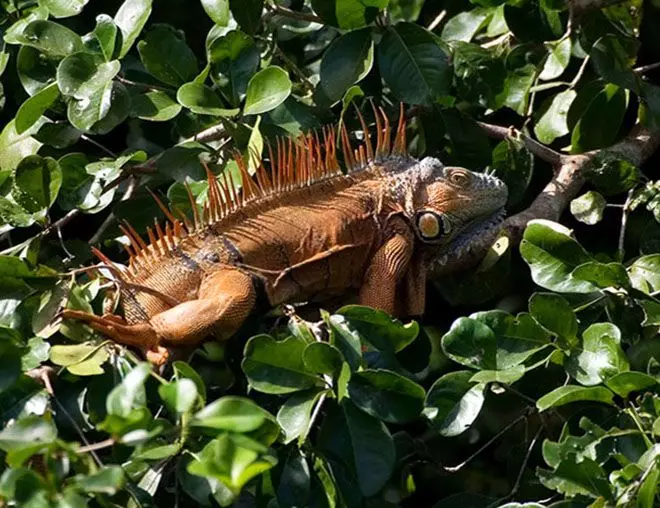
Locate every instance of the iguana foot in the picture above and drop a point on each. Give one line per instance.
(140, 335)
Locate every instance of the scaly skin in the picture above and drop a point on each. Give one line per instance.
(376, 231)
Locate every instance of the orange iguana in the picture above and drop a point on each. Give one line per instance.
(302, 231)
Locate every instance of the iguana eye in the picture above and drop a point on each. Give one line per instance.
(431, 225)
(460, 177)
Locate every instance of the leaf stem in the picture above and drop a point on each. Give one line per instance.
(437, 21)
(97, 446)
(624, 222)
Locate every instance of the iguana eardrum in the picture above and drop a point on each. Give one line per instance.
(302, 231)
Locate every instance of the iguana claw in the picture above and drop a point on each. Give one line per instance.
(141, 335)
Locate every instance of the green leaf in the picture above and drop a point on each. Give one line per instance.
(266, 90)
(601, 356)
(25, 437)
(508, 376)
(103, 111)
(651, 312)
(233, 460)
(182, 161)
(493, 340)
(236, 414)
(589, 207)
(555, 314)
(217, 10)
(465, 25)
(51, 38)
(345, 338)
(624, 383)
(155, 106)
(559, 55)
(184, 371)
(106, 481)
(572, 478)
(645, 273)
(202, 100)
(81, 75)
(64, 8)
(234, 59)
(37, 181)
(386, 395)
(516, 90)
(612, 174)
(129, 393)
(80, 359)
(31, 110)
(379, 328)
(179, 395)
(454, 402)
(167, 57)
(362, 443)
(295, 414)
(247, 13)
(57, 135)
(552, 123)
(130, 19)
(347, 60)
(514, 165)
(348, 14)
(599, 122)
(552, 254)
(612, 56)
(572, 393)
(322, 358)
(295, 481)
(603, 275)
(413, 65)
(105, 36)
(14, 146)
(277, 367)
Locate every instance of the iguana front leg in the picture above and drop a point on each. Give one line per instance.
(226, 298)
(387, 268)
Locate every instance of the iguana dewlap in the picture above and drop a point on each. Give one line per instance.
(301, 231)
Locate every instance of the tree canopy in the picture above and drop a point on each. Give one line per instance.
(533, 379)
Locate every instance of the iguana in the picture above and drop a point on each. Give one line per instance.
(302, 231)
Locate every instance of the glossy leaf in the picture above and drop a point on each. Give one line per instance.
(413, 65)
(266, 90)
(386, 395)
(454, 402)
(572, 393)
(167, 57)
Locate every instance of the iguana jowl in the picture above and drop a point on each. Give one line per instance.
(301, 231)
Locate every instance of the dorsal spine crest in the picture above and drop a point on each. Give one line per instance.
(293, 164)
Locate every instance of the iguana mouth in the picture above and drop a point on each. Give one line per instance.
(462, 243)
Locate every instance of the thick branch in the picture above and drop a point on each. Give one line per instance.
(565, 185)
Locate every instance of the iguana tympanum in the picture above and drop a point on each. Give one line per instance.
(302, 231)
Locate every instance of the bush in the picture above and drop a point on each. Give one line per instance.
(532, 378)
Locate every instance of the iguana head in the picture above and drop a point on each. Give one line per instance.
(450, 206)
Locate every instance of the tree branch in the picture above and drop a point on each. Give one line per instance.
(290, 13)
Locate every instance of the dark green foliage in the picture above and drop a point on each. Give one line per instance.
(540, 388)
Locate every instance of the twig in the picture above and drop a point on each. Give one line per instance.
(99, 146)
(509, 426)
(624, 222)
(96, 446)
(61, 222)
(523, 466)
(497, 41)
(540, 150)
(646, 68)
(580, 72)
(290, 13)
(296, 70)
(436, 22)
(147, 86)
